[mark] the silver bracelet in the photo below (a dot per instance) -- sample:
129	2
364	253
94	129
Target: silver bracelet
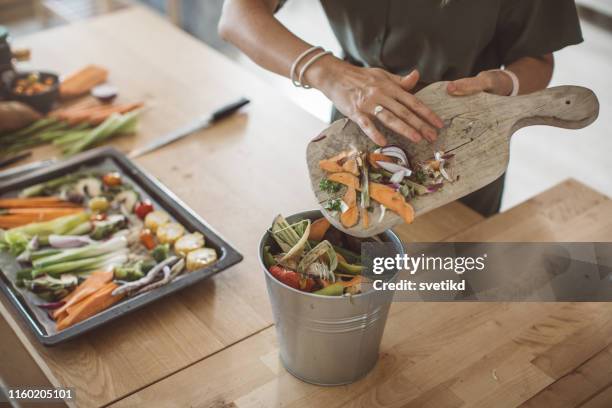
298	60
513	78
307	65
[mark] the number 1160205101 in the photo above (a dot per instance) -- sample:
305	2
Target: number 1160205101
30	394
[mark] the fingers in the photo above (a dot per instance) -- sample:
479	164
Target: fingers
467	86
399	126
409	81
415	105
369	128
422	129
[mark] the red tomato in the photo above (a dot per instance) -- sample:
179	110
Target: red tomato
293	279
143	208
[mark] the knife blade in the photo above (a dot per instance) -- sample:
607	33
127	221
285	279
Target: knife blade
186	130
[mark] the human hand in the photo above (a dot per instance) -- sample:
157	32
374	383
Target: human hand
356	92
494	81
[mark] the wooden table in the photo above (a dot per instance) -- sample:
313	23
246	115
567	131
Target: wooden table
214	344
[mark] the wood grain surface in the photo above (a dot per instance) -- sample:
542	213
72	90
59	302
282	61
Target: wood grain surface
477	130
444	355
224	173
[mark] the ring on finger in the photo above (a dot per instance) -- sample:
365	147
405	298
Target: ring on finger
378	109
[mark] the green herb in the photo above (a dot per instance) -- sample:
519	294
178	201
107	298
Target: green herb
329	186
420	176
333	205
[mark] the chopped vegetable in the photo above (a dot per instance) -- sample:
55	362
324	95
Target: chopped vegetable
125	201
90	306
161	252
50	288
106	227
329	186
112	179
170	232
133	271
200	258
188	243
147	239
93	283
318	228
99	204
143	208
155	219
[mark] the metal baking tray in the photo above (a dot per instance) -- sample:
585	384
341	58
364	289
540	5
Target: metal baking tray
110	159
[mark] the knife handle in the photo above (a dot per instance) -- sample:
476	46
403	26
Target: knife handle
227	110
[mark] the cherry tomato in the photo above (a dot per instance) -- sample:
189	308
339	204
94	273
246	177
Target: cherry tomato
147	239
143	208
112	179
293	279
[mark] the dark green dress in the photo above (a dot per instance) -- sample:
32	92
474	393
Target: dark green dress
451	41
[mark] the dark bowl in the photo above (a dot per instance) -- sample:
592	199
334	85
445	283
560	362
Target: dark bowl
43	101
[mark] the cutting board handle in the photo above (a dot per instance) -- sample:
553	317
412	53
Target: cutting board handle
569	107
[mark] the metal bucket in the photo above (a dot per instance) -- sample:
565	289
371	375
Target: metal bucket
327	340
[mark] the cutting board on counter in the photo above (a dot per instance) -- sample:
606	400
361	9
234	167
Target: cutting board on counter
477	130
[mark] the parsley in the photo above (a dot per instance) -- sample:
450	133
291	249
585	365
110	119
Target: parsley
329	186
333	205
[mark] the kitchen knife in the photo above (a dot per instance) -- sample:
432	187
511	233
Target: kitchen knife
200	123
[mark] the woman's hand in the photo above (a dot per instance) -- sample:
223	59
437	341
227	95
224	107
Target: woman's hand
495	82
356	92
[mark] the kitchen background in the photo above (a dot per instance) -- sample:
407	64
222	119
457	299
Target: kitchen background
540	156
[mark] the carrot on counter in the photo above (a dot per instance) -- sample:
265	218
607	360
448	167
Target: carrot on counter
89	286
90	306
82	81
96	114
35	202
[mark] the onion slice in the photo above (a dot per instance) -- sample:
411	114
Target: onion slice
383	210
396	152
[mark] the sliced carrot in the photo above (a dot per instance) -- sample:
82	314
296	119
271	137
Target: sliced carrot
90	306
318	228
101	116
393	200
345	178
35	202
332	165
351	216
17	220
59	211
93	283
373	158
351	166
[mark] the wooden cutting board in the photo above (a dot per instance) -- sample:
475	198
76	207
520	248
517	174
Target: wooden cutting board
477	130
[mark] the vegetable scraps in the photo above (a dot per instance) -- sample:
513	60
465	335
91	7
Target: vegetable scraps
385	176
305	259
101	244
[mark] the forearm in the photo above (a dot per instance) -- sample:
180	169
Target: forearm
251	26
534	74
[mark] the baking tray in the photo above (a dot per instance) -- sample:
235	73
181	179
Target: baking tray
105	159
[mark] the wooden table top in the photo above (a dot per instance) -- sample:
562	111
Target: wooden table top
214	343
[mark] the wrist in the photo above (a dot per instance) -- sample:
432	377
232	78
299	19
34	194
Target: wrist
324	72
499	82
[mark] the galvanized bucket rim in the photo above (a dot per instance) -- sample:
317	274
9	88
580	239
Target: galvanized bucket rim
262	243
